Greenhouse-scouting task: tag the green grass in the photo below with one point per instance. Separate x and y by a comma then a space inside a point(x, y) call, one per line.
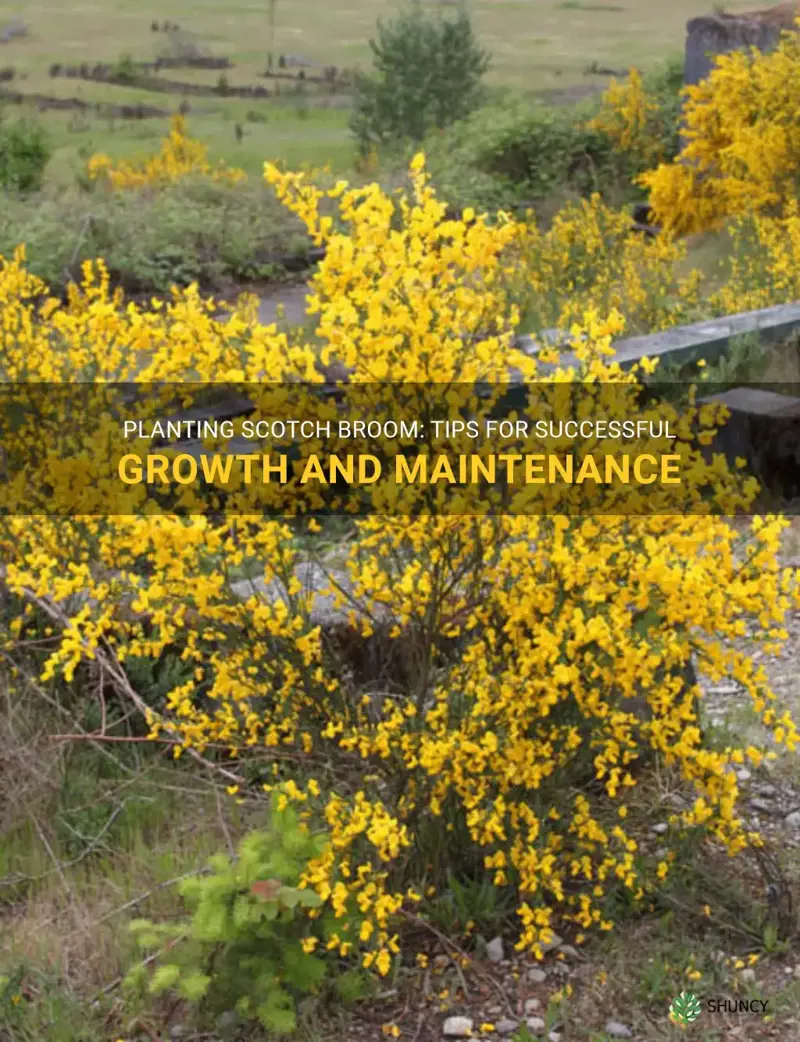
point(319, 139)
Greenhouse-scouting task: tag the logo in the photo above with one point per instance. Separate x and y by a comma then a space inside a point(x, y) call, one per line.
point(685, 1009)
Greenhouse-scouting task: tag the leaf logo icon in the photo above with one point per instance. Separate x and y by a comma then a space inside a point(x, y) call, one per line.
point(685, 1009)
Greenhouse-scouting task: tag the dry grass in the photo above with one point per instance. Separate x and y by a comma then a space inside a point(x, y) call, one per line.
point(91, 837)
point(535, 45)
point(545, 46)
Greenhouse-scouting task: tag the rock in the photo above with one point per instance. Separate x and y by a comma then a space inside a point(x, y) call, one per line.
point(506, 1026)
point(767, 790)
point(227, 1021)
point(314, 580)
point(534, 1023)
point(537, 976)
point(660, 828)
point(531, 1005)
point(793, 819)
point(549, 946)
point(723, 689)
point(457, 1027)
point(554, 1037)
point(743, 774)
point(617, 1030)
point(494, 950)
point(761, 805)
point(567, 949)
point(296, 61)
point(12, 30)
point(710, 35)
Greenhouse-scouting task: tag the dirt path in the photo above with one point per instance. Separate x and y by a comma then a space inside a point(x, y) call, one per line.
point(293, 299)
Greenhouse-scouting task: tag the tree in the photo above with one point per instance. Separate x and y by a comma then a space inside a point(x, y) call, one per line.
point(427, 73)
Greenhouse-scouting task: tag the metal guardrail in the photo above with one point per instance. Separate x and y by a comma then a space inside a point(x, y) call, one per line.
point(684, 344)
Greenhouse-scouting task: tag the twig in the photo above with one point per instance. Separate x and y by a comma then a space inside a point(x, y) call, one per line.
point(53, 703)
point(68, 275)
point(106, 658)
point(419, 921)
point(282, 754)
point(223, 824)
point(154, 890)
point(59, 866)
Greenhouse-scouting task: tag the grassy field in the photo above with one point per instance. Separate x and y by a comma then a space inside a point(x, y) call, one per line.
point(535, 43)
point(546, 45)
point(319, 138)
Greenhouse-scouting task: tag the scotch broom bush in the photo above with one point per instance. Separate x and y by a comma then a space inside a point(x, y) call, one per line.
point(627, 117)
point(546, 656)
point(589, 258)
point(180, 156)
point(742, 150)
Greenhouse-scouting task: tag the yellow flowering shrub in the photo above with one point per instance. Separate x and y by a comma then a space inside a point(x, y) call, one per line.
point(180, 156)
point(589, 258)
point(742, 142)
point(764, 262)
point(545, 656)
point(626, 117)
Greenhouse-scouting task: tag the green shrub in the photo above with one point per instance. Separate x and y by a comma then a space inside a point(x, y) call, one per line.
point(516, 149)
point(125, 70)
point(427, 74)
point(248, 944)
point(194, 230)
point(24, 154)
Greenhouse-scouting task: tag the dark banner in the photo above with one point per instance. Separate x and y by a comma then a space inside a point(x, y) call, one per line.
point(400, 449)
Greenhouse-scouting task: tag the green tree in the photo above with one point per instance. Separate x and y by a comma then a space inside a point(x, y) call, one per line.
point(24, 153)
point(427, 73)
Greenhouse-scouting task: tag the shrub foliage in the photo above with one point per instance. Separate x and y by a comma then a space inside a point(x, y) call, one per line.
point(254, 941)
point(24, 154)
point(742, 151)
point(517, 149)
point(192, 230)
point(427, 74)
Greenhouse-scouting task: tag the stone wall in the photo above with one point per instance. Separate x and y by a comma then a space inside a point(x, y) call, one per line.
point(714, 34)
